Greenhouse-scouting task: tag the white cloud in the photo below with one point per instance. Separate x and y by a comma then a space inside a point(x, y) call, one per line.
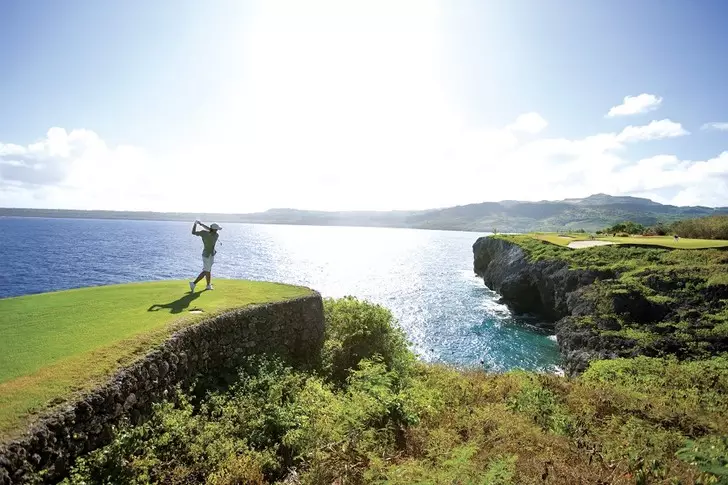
point(45, 162)
point(77, 169)
point(529, 123)
point(718, 125)
point(655, 130)
point(632, 105)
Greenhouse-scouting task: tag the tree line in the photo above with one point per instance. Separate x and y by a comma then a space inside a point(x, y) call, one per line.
point(710, 227)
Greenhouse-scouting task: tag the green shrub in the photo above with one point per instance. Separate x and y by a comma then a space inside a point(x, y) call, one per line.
point(541, 405)
point(710, 454)
point(658, 229)
point(176, 446)
point(711, 227)
point(627, 228)
point(357, 330)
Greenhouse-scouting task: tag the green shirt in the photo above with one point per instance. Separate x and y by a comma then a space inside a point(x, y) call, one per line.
point(209, 239)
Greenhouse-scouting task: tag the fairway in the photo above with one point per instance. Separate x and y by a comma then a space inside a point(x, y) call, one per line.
point(559, 239)
point(56, 343)
point(662, 241)
point(668, 242)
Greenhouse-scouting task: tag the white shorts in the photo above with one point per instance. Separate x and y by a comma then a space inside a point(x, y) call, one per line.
point(207, 262)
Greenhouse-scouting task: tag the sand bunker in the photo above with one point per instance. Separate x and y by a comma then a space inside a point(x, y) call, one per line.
point(588, 244)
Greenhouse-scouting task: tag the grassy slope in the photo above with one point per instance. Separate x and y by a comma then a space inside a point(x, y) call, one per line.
point(663, 241)
point(58, 342)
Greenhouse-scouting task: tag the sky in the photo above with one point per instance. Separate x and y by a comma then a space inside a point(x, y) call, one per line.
point(234, 106)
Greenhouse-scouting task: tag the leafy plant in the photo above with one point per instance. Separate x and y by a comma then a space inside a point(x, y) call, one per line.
point(357, 330)
point(710, 454)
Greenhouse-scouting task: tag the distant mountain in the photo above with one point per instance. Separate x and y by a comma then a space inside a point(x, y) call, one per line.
point(590, 213)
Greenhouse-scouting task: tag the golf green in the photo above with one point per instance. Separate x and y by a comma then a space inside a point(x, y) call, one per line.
point(56, 343)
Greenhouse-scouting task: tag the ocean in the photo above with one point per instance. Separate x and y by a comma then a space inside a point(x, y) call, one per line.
point(424, 277)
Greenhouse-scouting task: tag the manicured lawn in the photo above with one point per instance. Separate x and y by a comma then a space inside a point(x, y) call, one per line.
point(668, 242)
point(55, 343)
point(663, 241)
point(560, 239)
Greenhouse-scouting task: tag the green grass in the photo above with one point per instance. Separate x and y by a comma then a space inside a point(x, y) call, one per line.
point(668, 242)
point(560, 239)
point(56, 343)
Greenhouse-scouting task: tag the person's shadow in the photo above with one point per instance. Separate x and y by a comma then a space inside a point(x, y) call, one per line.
point(176, 306)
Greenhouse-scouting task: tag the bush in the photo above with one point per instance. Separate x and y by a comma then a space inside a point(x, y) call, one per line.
point(268, 421)
point(659, 229)
point(357, 330)
point(712, 227)
point(628, 227)
point(709, 454)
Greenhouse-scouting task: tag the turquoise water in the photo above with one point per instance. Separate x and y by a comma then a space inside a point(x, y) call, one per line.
point(424, 277)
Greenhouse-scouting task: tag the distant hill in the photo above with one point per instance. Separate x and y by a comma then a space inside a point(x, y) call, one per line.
point(591, 213)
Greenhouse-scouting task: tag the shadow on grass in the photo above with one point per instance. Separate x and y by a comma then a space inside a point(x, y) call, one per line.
point(176, 306)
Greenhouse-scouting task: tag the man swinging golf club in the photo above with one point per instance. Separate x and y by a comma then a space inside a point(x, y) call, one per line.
point(209, 238)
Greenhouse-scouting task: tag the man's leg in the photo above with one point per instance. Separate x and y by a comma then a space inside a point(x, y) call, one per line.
point(200, 276)
point(208, 269)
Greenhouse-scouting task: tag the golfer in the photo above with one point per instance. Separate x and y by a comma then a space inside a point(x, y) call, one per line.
point(209, 238)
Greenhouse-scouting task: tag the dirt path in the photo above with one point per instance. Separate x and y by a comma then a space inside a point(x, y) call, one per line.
point(588, 244)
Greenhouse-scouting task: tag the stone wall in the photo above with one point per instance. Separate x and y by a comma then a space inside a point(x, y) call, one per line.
point(293, 329)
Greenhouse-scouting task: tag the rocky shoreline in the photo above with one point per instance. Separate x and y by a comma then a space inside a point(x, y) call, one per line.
point(563, 298)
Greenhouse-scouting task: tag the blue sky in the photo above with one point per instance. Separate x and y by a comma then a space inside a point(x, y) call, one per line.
point(240, 106)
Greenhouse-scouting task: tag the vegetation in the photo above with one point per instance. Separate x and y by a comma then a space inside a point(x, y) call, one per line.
point(654, 301)
point(395, 420)
point(55, 343)
point(714, 227)
point(628, 228)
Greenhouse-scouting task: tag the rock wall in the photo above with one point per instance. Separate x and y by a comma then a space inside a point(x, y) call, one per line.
point(548, 289)
point(293, 329)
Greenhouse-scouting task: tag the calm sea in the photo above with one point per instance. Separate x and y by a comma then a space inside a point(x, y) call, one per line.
point(424, 277)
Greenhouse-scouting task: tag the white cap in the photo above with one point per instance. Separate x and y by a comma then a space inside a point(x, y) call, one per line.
point(215, 226)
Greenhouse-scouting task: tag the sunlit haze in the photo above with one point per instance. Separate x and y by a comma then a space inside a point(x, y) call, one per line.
point(355, 105)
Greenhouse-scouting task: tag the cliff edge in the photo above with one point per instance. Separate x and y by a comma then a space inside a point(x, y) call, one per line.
point(607, 302)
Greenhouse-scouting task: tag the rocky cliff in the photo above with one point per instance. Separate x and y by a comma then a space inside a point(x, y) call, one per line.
point(564, 298)
point(545, 288)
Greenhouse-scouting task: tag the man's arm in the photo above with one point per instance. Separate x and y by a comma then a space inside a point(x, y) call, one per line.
point(194, 228)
